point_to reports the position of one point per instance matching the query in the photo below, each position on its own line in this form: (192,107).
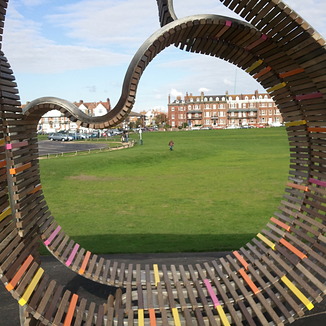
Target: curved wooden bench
(271,280)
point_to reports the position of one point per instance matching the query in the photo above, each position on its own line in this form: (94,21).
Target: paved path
(9,312)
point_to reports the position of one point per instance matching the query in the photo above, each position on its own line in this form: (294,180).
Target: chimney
(109,104)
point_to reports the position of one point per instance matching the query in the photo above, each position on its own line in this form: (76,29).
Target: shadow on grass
(160,243)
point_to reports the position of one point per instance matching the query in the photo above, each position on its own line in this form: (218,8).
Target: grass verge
(214,192)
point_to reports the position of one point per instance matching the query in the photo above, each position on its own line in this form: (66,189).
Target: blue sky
(81,49)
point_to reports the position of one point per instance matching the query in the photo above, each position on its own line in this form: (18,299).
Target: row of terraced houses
(223,111)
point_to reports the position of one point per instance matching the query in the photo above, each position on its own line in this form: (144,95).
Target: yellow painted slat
(5,213)
(156,274)
(295,123)
(268,242)
(297,292)
(254,65)
(28,292)
(141,320)
(176,317)
(276,87)
(2,142)
(222,315)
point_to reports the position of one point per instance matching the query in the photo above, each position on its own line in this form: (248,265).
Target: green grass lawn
(214,192)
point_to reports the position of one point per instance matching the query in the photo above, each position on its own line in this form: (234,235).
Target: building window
(211,99)
(172,116)
(207,122)
(172,109)
(263,112)
(207,114)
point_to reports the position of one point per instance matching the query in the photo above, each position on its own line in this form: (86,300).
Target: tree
(161,119)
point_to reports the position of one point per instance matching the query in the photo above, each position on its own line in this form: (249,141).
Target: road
(55,147)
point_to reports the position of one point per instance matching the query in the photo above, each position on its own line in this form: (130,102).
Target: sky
(81,50)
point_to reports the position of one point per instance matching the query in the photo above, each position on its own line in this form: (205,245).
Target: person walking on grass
(171,144)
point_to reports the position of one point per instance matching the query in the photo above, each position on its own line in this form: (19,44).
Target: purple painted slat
(72,255)
(52,236)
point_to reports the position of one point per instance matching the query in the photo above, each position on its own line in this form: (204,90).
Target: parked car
(60,136)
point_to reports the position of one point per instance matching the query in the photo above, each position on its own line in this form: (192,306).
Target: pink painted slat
(318,182)
(72,255)
(211,293)
(259,41)
(52,236)
(308,96)
(16,145)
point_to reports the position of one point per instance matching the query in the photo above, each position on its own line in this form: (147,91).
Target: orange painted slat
(36,189)
(249,281)
(84,264)
(317,129)
(152,317)
(262,72)
(296,186)
(11,285)
(20,168)
(291,72)
(71,310)
(241,259)
(281,224)
(296,251)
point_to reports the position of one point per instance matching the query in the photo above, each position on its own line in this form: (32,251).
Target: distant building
(222,111)
(54,120)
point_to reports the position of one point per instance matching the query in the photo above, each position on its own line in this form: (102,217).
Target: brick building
(223,111)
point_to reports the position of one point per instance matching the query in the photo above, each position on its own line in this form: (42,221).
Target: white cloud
(227,82)
(175,93)
(56,39)
(203,89)
(100,22)
(30,52)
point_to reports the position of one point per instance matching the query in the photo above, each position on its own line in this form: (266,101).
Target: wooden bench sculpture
(276,277)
